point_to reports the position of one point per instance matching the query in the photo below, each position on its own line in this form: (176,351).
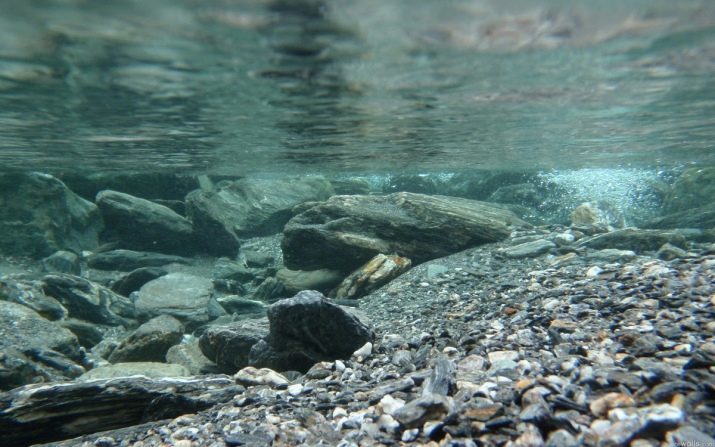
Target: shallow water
(358,86)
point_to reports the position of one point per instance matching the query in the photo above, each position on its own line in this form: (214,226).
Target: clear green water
(360,86)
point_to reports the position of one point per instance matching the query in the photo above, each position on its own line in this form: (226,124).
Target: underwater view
(455,223)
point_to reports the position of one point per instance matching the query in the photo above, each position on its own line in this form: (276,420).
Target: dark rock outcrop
(249,207)
(307,329)
(35,414)
(40,216)
(140,224)
(127,260)
(150,341)
(88,301)
(33,349)
(185,297)
(229,346)
(347,231)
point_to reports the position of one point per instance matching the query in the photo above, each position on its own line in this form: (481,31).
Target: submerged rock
(186,297)
(530,249)
(140,224)
(36,414)
(150,341)
(134,280)
(41,216)
(307,329)
(347,231)
(692,188)
(30,294)
(33,349)
(249,207)
(229,345)
(89,301)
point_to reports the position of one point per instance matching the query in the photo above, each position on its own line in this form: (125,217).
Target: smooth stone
(250,376)
(530,249)
(134,280)
(229,345)
(634,239)
(185,297)
(189,356)
(322,280)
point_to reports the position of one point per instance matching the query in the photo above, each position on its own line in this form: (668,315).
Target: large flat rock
(345,232)
(141,224)
(44,413)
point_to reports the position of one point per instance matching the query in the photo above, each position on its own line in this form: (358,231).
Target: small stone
(662,417)
(295,389)
(410,435)
(562,239)
(390,404)
(602,405)
(482,411)
(250,376)
(563,325)
(363,353)
(593,272)
(429,407)
(496,356)
(561,438)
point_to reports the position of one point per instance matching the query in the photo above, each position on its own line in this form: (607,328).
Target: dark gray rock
(347,231)
(35,414)
(30,294)
(88,301)
(62,262)
(187,298)
(140,224)
(33,349)
(634,239)
(426,408)
(307,329)
(229,346)
(40,216)
(249,207)
(150,341)
(127,260)
(134,280)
